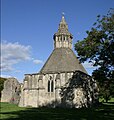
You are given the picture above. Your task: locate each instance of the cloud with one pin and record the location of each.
(6, 76)
(13, 53)
(35, 61)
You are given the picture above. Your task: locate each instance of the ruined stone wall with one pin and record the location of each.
(11, 91)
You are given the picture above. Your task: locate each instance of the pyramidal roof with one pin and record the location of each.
(62, 58)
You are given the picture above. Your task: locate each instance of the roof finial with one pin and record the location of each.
(63, 19)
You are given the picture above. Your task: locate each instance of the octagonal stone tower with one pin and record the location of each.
(63, 39)
(62, 58)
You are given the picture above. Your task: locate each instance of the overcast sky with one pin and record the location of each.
(28, 26)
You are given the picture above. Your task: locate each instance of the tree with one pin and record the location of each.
(106, 84)
(98, 48)
(1, 84)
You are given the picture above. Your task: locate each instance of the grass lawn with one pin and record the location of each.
(13, 112)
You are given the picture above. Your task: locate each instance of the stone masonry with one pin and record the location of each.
(11, 91)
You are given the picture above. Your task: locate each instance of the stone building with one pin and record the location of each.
(61, 75)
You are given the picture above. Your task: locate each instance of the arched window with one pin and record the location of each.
(48, 85)
(52, 86)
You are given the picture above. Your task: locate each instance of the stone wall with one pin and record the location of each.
(11, 91)
(80, 91)
(67, 89)
(35, 88)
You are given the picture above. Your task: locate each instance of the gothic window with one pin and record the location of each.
(50, 85)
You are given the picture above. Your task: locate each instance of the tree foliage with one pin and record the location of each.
(1, 84)
(98, 48)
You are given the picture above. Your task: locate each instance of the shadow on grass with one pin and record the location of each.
(103, 112)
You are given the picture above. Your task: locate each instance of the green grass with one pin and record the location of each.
(111, 100)
(102, 99)
(13, 112)
(7, 108)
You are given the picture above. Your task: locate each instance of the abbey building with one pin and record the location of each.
(62, 81)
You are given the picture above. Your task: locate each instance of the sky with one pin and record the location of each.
(28, 26)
